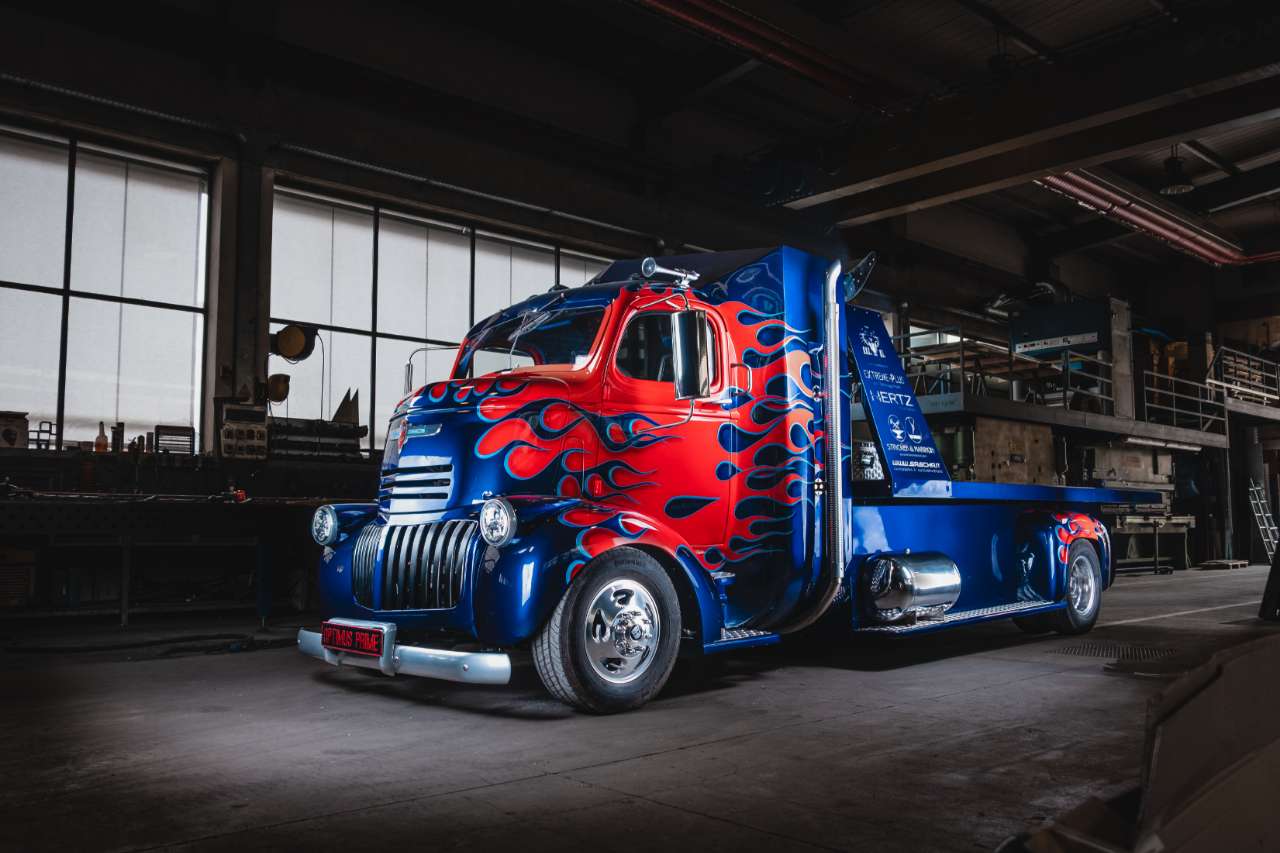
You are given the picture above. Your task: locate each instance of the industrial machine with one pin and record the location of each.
(662, 462)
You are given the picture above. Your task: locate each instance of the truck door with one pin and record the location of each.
(660, 455)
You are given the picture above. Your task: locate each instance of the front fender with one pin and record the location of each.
(519, 585)
(333, 576)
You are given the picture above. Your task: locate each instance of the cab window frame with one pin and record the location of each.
(714, 358)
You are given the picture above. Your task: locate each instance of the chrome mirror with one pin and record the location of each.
(691, 353)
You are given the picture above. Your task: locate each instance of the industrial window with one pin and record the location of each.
(383, 287)
(576, 269)
(509, 271)
(102, 287)
(644, 351)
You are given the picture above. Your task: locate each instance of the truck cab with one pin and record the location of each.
(661, 461)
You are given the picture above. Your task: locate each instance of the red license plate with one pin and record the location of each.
(353, 639)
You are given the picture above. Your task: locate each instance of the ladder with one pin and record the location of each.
(1262, 517)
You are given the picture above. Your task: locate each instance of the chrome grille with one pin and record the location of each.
(363, 554)
(416, 488)
(422, 566)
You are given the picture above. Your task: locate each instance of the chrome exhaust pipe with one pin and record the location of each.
(833, 498)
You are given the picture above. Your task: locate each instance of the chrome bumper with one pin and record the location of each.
(470, 667)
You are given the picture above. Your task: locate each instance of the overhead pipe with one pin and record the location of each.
(763, 41)
(1133, 211)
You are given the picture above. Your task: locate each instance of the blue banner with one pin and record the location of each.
(912, 460)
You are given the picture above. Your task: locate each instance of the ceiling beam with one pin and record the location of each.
(1095, 232)
(892, 75)
(1235, 191)
(1012, 31)
(1221, 50)
(1213, 158)
(287, 99)
(1221, 111)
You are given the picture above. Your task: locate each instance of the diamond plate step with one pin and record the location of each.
(741, 638)
(955, 617)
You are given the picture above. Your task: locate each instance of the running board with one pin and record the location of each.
(740, 638)
(956, 617)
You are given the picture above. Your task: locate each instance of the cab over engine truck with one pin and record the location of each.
(660, 462)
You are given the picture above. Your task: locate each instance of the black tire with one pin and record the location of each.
(563, 656)
(1070, 620)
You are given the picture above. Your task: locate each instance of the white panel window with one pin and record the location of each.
(321, 263)
(402, 278)
(163, 235)
(138, 231)
(533, 271)
(578, 269)
(130, 363)
(33, 211)
(97, 233)
(301, 259)
(29, 330)
(352, 298)
(160, 365)
(93, 371)
(493, 277)
(448, 285)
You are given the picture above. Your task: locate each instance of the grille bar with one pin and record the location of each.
(423, 565)
(362, 557)
(415, 488)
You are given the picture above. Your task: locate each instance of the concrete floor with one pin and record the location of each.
(945, 742)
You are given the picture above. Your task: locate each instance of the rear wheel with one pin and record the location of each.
(611, 643)
(1083, 597)
(1084, 590)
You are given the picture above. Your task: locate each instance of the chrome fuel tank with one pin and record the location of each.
(899, 586)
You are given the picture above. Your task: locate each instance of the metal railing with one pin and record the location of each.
(947, 361)
(1245, 377)
(1177, 402)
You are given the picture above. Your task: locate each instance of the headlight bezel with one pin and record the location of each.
(324, 526)
(508, 512)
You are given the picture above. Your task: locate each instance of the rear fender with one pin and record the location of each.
(517, 586)
(1045, 539)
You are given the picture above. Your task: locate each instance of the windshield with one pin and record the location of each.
(549, 336)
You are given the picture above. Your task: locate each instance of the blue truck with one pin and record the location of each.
(664, 462)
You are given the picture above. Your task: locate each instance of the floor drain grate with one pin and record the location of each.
(1114, 651)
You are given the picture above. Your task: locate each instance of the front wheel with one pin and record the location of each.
(611, 643)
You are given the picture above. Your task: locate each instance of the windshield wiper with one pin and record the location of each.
(529, 322)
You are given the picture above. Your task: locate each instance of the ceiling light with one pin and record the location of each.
(1176, 181)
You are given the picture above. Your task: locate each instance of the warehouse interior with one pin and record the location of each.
(233, 236)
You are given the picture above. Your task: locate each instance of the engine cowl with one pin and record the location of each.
(898, 587)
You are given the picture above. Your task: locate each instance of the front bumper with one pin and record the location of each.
(444, 664)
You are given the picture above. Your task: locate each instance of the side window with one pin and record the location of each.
(644, 351)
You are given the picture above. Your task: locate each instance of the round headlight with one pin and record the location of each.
(497, 522)
(324, 526)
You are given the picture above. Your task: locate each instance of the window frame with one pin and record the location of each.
(716, 356)
(72, 143)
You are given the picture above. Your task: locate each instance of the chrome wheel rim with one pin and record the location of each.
(622, 630)
(1081, 588)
